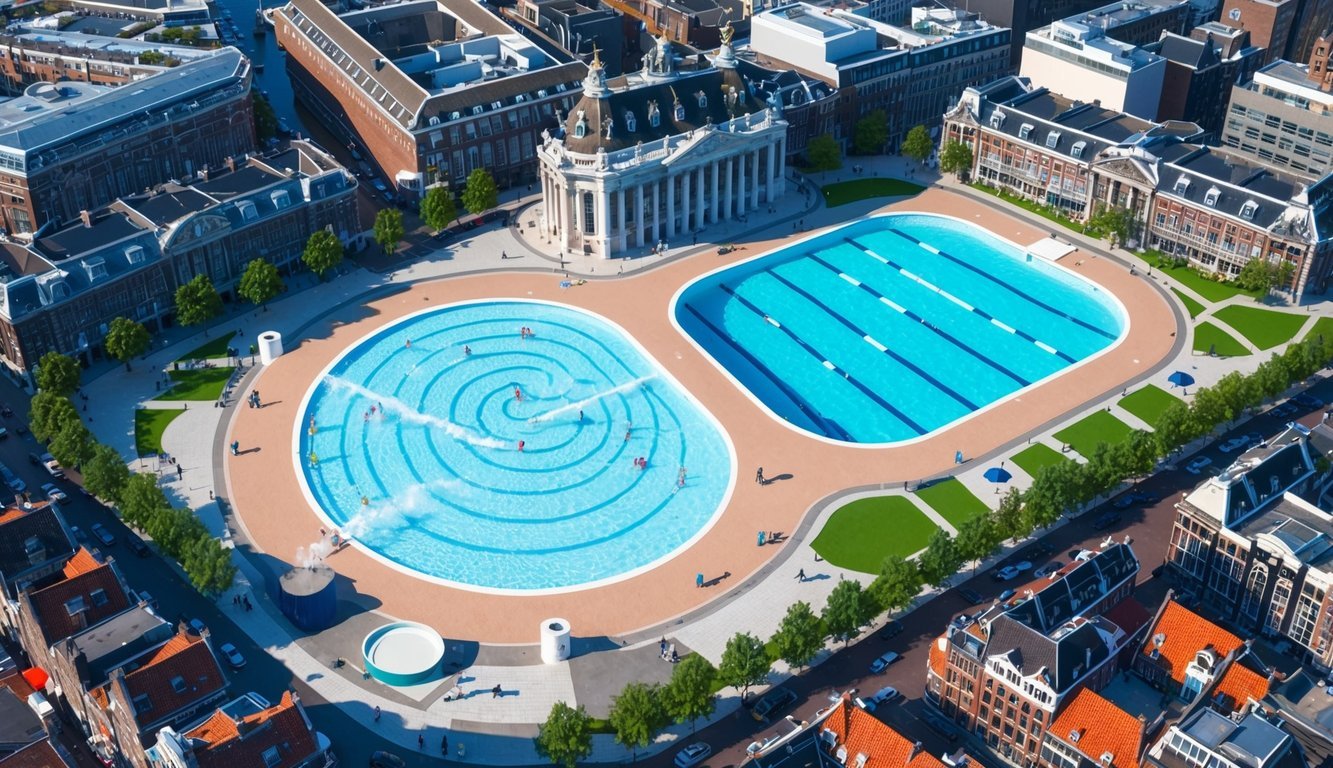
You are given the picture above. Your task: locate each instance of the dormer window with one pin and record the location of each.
(75, 605)
(98, 596)
(581, 127)
(455, 115)
(1249, 210)
(1052, 139)
(703, 99)
(477, 110)
(654, 115)
(997, 119)
(1025, 131)
(496, 105)
(1210, 199)
(96, 268)
(1182, 186)
(680, 112)
(178, 684)
(134, 254)
(142, 704)
(1077, 149)
(630, 123)
(248, 210)
(34, 549)
(280, 198)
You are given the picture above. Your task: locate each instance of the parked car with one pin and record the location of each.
(6, 411)
(890, 630)
(103, 535)
(78, 534)
(1046, 570)
(771, 702)
(382, 759)
(3, 433)
(1007, 595)
(379, 186)
(233, 656)
(12, 480)
(884, 662)
(939, 724)
(196, 626)
(1198, 465)
(1241, 442)
(693, 754)
(52, 492)
(1013, 570)
(1307, 400)
(759, 746)
(971, 596)
(883, 696)
(1127, 500)
(1285, 411)
(1106, 520)
(52, 466)
(137, 545)
(961, 620)
(148, 599)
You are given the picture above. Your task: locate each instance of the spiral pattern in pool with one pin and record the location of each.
(455, 446)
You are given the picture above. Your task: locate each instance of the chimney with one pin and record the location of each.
(231, 163)
(86, 218)
(1087, 658)
(916, 750)
(203, 173)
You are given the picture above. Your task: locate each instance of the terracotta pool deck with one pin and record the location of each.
(266, 494)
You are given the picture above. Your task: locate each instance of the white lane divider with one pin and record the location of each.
(1047, 347)
(871, 341)
(850, 279)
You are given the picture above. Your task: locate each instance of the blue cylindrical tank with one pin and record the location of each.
(308, 597)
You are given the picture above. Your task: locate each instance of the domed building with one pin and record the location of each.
(663, 152)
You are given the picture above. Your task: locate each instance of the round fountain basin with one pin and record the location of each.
(403, 653)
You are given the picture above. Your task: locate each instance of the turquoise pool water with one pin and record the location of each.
(433, 479)
(892, 327)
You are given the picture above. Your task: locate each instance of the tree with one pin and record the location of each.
(824, 153)
(1271, 379)
(977, 539)
(260, 282)
(389, 229)
(197, 301)
(1174, 428)
(956, 158)
(744, 663)
(637, 716)
(48, 412)
(897, 585)
(437, 208)
(1238, 392)
(566, 736)
(940, 560)
(1113, 221)
(105, 473)
(58, 373)
(918, 145)
(72, 443)
(689, 694)
(208, 564)
(1140, 453)
(846, 610)
(323, 251)
(126, 339)
(141, 501)
(1209, 409)
(1008, 517)
(479, 193)
(870, 133)
(799, 636)
(1256, 275)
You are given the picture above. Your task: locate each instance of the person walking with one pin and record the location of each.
(759, 476)
(495, 692)
(377, 713)
(444, 745)
(800, 575)
(421, 741)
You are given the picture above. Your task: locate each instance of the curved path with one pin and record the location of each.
(265, 492)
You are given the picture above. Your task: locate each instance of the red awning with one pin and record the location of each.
(36, 677)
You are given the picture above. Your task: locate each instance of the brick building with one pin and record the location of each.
(1254, 543)
(1008, 673)
(246, 731)
(1200, 72)
(1269, 22)
(34, 543)
(86, 591)
(54, 160)
(1093, 731)
(697, 23)
(61, 291)
(37, 55)
(432, 89)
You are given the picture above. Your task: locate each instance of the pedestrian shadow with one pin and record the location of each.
(775, 537)
(267, 404)
(713, 582)
(778, 478)
(818, 577)
(256, 449)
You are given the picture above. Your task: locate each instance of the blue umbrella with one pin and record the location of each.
(998, 475)
(1180, 379)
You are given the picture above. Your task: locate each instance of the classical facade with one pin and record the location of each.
(660, 154)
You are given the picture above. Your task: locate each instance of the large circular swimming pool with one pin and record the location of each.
(456, 446)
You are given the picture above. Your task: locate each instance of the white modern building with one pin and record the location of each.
(1070, 55)
(660, 153)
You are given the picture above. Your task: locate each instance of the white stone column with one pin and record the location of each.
(638, 216)
(772, 166)
(754, 180)
(602, 226)
(685, 187)
(782, 165)
(621, 240)
(741, 198)
(712, 205)
(671, 206)
(581, 221)
(726, 190)
(699, 218)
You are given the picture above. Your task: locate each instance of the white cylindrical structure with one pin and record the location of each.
(270, 346)
(555, 641)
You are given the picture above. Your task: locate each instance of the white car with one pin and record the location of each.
(883, 696)
(53, 492)
(693, 755)
(883, 662)
(1049, 569)
(234, 657)
(1197, 466)
(1012, 571)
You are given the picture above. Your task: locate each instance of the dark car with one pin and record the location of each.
(1307, 400)
(940, 725)
(6, 411)
(1106, 520)
(774, 700)
(1285, 411)
(1128, 500)
(137, 545)
(890, 630)
(971, 596)
(384, 759)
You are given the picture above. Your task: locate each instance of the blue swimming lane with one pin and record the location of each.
(894, 326)
(415, 449)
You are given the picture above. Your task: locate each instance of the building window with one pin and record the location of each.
(271, 757)
(1077, 150)
(680, 112)
(178, 684)
(1182, 186)
(99, 597)
(1248, 210)
(142, 704)
(1210, 199)
(629, 121)
(1025, 131)
(1052, 139)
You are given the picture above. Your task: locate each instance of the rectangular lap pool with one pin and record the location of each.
(894, 326)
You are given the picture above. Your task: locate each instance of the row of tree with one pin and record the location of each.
(869, 137)
(54, 420)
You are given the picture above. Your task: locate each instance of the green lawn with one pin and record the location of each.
(953, 501)
(1148, 403)
(198, 384)
(1041, 210)
(1209, 289)
(1209, 337)
(1263, 327)
(1032, 458)
(216, 347)
(861, 534)
(1322, 327)
(1191, 306)
(845, 192)
(1100, 427)
(149, 424)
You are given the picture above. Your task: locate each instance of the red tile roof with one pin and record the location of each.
(39, 754)
(939, 657)
(1242, 684)
(222, 742)
(862, 734)
(1094, 726)
(1183, 633)
(16, 683)
(83, 576)
(184, 656)
(1128, 614)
